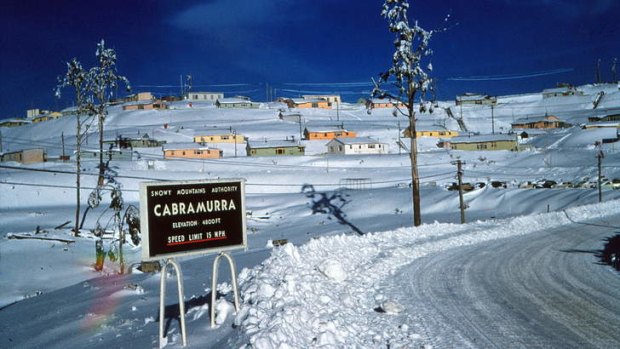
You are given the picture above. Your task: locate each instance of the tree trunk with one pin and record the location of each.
(78, 164)
(100, 180)
(415, 179)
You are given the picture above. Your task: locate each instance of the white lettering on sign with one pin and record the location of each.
(211, 221)
(183, 208)
(226, 189)
(186, 224)
(156, 193)
(175, 239)
(191, 191)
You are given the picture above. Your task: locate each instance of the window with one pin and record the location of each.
(197, 152)
(279, 151)
(371, 146)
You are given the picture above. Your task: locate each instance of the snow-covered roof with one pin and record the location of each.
(325, 129)
(355, 140)
(233, 100)
(483, 138)
(184, 145)
(536, 119)
(273, 144)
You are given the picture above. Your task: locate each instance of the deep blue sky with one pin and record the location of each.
(491, 46)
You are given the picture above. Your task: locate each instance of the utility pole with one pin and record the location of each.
(62, 135)
(599, 157)
(0, 141)
(399, 141)
(459, 175)
(492, 120)
(598, 71)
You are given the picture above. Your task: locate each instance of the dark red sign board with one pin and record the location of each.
(191, 217)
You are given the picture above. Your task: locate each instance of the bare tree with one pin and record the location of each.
(77, 78)
(409, 78)
(103, 81)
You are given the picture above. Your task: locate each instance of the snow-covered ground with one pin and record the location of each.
(328, 285)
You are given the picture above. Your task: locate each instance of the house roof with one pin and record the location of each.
(325, 129)
(273, 144)
(536, 119)
(233, 100)
(355, 140)
(432, 128)
(482, 138)
(185, 145)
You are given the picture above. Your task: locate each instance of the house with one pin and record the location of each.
(358, 145)
(475, 98)
(236, 102)
(603, 118)
(303, 103)
(543, 122)
(327, 133)
(609, 124)
(204, 96)
(482, 142)
(561, 91)
(149, 105)
(296, 117)
(274, 148)
(14, 122)
(139, 97)
(45, 117)
(109, 154)
(25, 156)
(129, 143)
(69, 111)
(378, 103)
(431, 131)
(331, 99)
(218, 137)
(191, 151)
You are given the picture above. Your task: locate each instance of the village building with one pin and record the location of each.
(358, 145)
(113, 154)
(236, 102)
(608, 124)
(296, 117)
(562, 91)
(275, 148)
(303, 103)
(379, 103)
(604, 118)
(475, 99)
(191, 151)
(25, 156)
(204, 96)
(482, 142)
(323, 133)
(129, 143)
(46, 117)
(14, 122)
(331, 99)
(212, 136)
(542, 122)
(148, 105)
(435, 131)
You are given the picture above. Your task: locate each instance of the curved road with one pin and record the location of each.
(541, 290)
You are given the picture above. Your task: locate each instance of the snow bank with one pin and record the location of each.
(299, 298)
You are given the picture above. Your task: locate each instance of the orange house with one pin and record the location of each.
(303, 103)
(327, 133)
(191, 151)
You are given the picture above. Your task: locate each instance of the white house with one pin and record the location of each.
(204, 96)
(358, 145)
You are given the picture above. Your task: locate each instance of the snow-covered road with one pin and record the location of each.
(541, 290)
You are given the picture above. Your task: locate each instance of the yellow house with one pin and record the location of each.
(210, 137)
(379, 103)
(191, 151)
(51, 116)
(432, 131)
